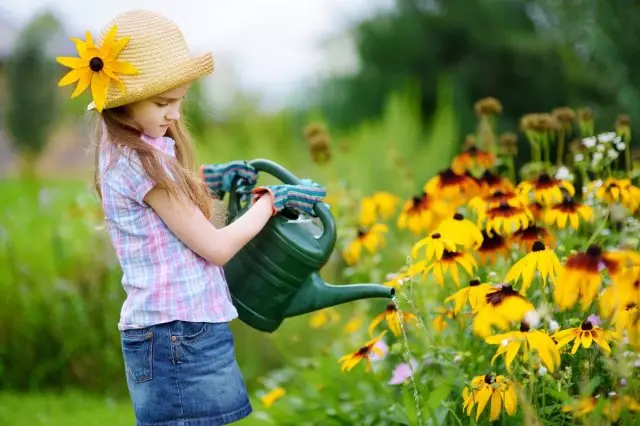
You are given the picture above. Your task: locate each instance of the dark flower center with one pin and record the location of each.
(361, 232)
(498, 194)
(96, 64)
(544, 178)
(586, 325)
(538, 246)
(496, 297)
(489, 379)
(594, 251)
(472, 150)
(458, 216)
(524, 327)
(630, 306)
(448, 174)
(435, 235)
(391, 307)
(474, 283)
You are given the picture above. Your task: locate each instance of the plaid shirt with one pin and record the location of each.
(164, 279)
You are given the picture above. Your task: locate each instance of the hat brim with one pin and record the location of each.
(171, 77)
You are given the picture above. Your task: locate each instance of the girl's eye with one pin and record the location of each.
(162, 104)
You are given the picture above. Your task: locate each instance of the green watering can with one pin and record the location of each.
(275, 275)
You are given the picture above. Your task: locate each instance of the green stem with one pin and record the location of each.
(603, 225)
(512, 169)
(545, 145)
(627, 157)
(560, 154)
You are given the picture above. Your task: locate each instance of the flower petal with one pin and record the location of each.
(122, 67)
(496, 406)
(99, 90)
(107, 43)
(73, 76)
(71, 62)
(83, 84)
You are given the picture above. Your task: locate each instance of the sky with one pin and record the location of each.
(266, 46)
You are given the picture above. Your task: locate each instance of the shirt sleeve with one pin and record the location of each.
(133, 179)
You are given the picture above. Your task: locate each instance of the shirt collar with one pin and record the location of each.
(164, 143)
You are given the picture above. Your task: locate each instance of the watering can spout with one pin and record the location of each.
(315, 294)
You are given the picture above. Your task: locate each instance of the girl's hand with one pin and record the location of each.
(300, 198)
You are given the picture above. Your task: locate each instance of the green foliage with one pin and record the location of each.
(33, 99)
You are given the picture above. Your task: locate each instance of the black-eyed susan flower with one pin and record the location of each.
(440, 319)
(615, 404)
(420, 213)
(452, 186)
(505, 219)
(97, 66)
(380, 206)
(490, 182)
(434, 246)
(580, 278)
(323, 317)
(449, 262)
(504, 306)
(272, 396)
(475, 294)
(497, 389)
(392, 317)
(540, 259)
(353, 324)
(584, 335)
(481, 204)
(582, 407)
(537, 209)
(546, 190)
(472, 158)
(493, 247)
(462, 231)
(528, 340)
(372, 239)
(525, 238)
(365, 352)
(568, 211)
(615, 191)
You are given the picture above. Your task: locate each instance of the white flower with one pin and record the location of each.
(620, 146)
(589, 142)
(563, 173)
(553, 326)
(606, 137)
(612, 153)
(578, 157)
(542, 370)
(600, 148)
(532, 318)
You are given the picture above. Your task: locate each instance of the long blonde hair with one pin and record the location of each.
(123, 132)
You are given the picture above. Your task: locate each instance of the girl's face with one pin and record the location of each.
(153, 115)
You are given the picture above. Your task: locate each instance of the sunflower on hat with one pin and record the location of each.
(97, 66)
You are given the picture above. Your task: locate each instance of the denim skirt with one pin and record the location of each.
(184, 374)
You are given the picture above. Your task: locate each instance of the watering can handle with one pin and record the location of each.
(328, 237)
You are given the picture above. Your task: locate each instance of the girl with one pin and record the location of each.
(174, 324)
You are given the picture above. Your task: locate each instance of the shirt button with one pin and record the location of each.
(174, 338)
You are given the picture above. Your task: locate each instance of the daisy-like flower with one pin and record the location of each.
(439, 321)
(616, 403)
(537, 209)
(381, 205)
(584, 335)
(462, 231)
(365, 352)
(452, 186)
(449, 261)
(471, 158)
(492, 247)
(504, 306)
(497, 389)
(506, 218)
(540, 259)
(527, 339)
(490, 182)
(324, 316)
(97, 66)
(525, 238)
(475, 294)
(392, 316)
(269, 398)
(494, 199)
(546, 190)
(420, 213)
(371, 239)
(434, 246)
(582, 407)
(568, 211)
(580, 278)
(615, 191)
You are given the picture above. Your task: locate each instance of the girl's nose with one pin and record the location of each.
(173, 114)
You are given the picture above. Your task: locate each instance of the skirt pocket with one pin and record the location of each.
(137, 351)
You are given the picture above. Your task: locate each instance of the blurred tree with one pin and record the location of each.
(533, 55)
(32, 98)
(197, 111)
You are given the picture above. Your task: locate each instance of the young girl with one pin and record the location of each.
(176, 342)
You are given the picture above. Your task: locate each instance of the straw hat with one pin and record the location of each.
(157, 49)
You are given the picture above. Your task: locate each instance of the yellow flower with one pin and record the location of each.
(611, 406)
(392, 316)
(540, 259)
(498, 389)
(504, 306)
(434, 245)
(583, 335)
(525, 238)
(493, 246)
(546, 190)
(381, 205)
(581, 407)
(475, 294)
(351, 360)
(462, 231)
(569, 211)
(615, 191)
(449, 262)
(439, 323)
(96, 66)
(451, 186)
(420, 213)
(271, 397)
(353, 324)
(506, 218)
(471, 158)
(323, 316)
(371, 239)
(527, 339)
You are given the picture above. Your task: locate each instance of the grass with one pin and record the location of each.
(74, 408)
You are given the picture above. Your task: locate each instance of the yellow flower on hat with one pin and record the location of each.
(96, 66)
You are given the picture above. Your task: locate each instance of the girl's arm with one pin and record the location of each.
(188, 223)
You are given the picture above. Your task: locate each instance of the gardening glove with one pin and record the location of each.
(219, 177)
(300, 198)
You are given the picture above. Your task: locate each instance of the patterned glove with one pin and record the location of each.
(300, 198)
(219, 177)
